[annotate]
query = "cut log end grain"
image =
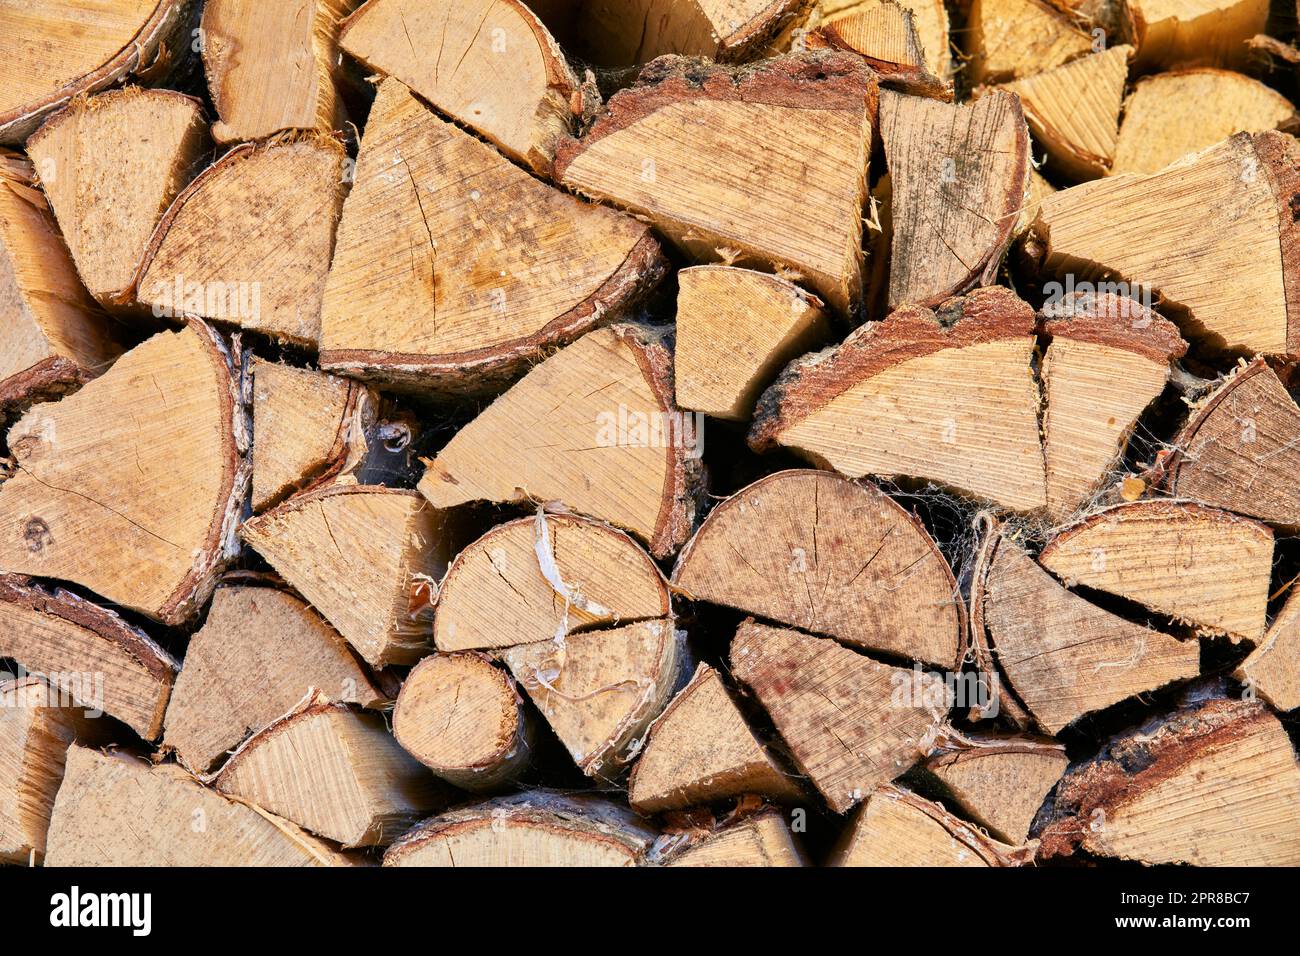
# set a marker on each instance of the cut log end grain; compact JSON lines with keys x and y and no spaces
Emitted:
{"x":1214,"y":33}
{"x":1272,"y":670}
{"x":762,"y":839}
{"x":888,"y":35}
{"x":1008,"y":39}
{"x":819,"y":552}
{"x":139,"y":506}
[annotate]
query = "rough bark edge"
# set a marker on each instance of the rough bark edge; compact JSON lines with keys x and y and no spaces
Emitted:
{"x":761,"y":29}
{"x":1279,"y":155}
{"x":690,"y":831}
{"x":51,"y":378}
{"x":913,"y":80}
{"x":980,"y":650}
{"x":1116,"y":322}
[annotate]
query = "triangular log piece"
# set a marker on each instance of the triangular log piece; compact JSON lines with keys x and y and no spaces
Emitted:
{"x":335,"y":772}
{"x":1165,"y":117}
{"x":735,"y":330}
{"x":497,"y":70}
{"x":1007,"y":39}
{"x":534,"y":579}
{"x":1272,"y":670}
{"x":684,"y":147}
{"x":831,"y":556}
{"x":358,"y":553}
{"x":464,"y":719}
{"x":1038,"y":189}
{"x":959,"y":176}
{"x":851,"y":724}
{"x":906,"y":43}
{"x":946,"y":396}
{"x":1207,"y":568}
{"x":454,"y":269}
{"x":1151,"y":233}
{"x":53,"y":338}
{"x":601,"y":690}
{"x":137,"y":503}
{"x":534,"y":829}
{"x":1213,"y":784}
{"x":111,"y":164}
{"x":1212,"y":33}
{"x":260,"y":651}
{"x":274,"y":66}
{"x":700,"y":750}
{"x":595,"y":427}
{"x":762,"y":840}
{"x":115,"y":809}
{"x":248,"y":242}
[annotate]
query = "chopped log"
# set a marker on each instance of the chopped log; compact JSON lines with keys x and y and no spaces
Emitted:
{"x":595,"y":427}
{"x":358,"y":553}
{"x":1208,"y":568}
{"x":601,"y":690}
{"x":1272,"y":669}
{"x":534,"y":829}
{"x":851,"y":723}
{"x":545,"y":577}
{"x":248,"y":242}
{"x":906,"y":43}
{"x":1214,"y":33}
{"x":464,"y":719}
{"x":507,"y":78}
{"x":454,"y":269}
{"x":1151,"y":232}
{"x":1213,"y":784}
{"x":821,"y":553}
{"x":762,"y":839}
{"x":260,"y":651}
{"x":735,"y":329}
{"x":684,"y":147}
{"x":273,"y":66}
{"x":1009,"y":39}
{"x":700,"y":750}
{"x":140,"y":504}
{"x":116,"y":809}
{"x":335,"y":772}
{"x":1039,"y":189}
{"x":1165,"y":117}
{"x":868,"y":407}
{"x":959,"y":176}
{"x":994,"y":699}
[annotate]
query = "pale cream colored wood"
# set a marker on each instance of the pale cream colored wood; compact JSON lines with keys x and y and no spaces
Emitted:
{"x":1172,"y":33}
{"x":1007,"y":39}
{"x":1039,"y":188}
{"x":760,"y":840}
{"x":888,"y":34}
{"x":1272,"y":670}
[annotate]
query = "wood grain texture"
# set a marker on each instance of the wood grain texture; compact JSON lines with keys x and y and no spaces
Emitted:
{"x":1007,"y":39}
{"x":906,"y":43}
{"x":1170,"y":33}
{"x":1272,"y":670}
{"x":760,"y":840}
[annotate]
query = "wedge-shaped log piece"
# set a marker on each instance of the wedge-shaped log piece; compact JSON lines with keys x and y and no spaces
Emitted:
{"x":959,"y":174}
{"x":454,"y":268}
{"x":701,"y":750}
{"x":685,"y":147}
{"x":1165,"y":117}
{"x":114,"y":809}
{"x":1272,"y":670}
{"x":335,"y":772}
{"x":53,"y":338}
{"x":139,"y":505}
{"x":535,"y":829}
{"x":1231,"y":280}
{"x":111,"y":164}
{"x":851,"y":723}
{"x":828,"y":555}
{"x":762,"y":839}
{"x":1208,"y":568}
{"x":543,"y":577}
{"x":464,"y":719}
{"x":594,"y":426}
{"x":248,"y":242}
{"x":498,"y":70}
{"x":259,"y":653}
{"x":1214,"y":784}
{"x":993,"y":699}
{"x":600,"y":690}
{"x":946,"y":396}
{"x":273,"y":66}
{"x":1007,"y":39}
{"x":906,"y":43}
{"x":735,"y":330}
{"x":357,"y":552}
{"x":1038,"y":189}
{"x":60,"y":48}
{"x":1170,"y":33}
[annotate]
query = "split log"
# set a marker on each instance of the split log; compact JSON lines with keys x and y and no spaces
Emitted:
{"x":762,"y":839}
{"x":454,"y":269}
{"x":1213,"y":784}
{"x":534,"y":829}
{"x":273,"y":66}
{"x":601,"y":690}
{"x":851,"y":724}
{"x":684,"y":147}
{"x":111,"y":164}
{"x":906,"y":43}
{"x":1009,"y":39}
{"x":595,"y":427}
{"x":821,"y":553}
{"x":1215,"y":33}
{"x":463,"y":718}
{"x":115,"y":809}
{"x":1039,"y":189}
{"x":700,"y":750}
{"x":1272,"y":670}
{"x":140,"y":505}
{"x":993,"y":697}
{"x":248,"y":242}
{"x":259,"y":652}
{"x":358,"y":553}
{"x":542,"y":578}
